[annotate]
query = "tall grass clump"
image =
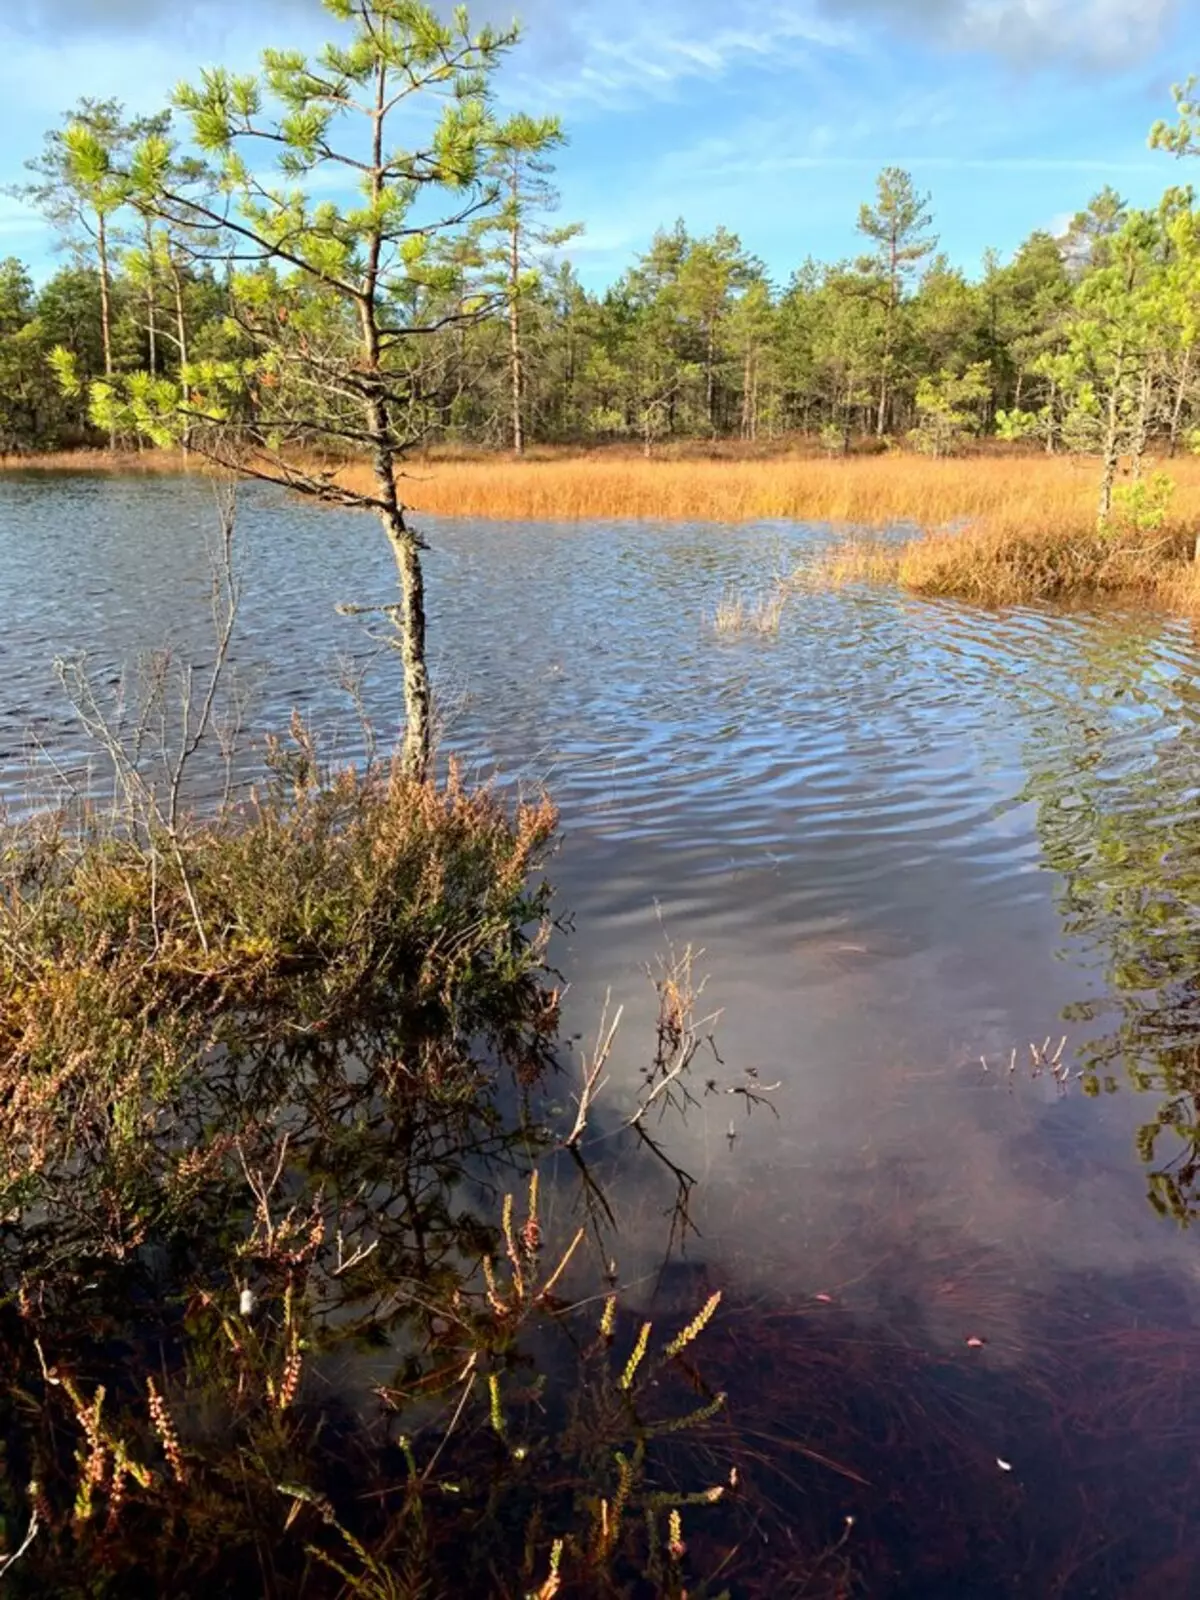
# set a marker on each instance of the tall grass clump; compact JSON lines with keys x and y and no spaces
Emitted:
{"x":761,"y":614}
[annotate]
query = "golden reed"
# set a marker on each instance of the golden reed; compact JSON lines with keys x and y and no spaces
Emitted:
{"x":997,"y":528}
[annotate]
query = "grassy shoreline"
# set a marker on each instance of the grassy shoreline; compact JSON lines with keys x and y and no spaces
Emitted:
{"x":995,"y":528}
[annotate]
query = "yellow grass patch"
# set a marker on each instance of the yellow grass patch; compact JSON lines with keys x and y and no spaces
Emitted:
{"x":863,"y":491}
{"x":116,"y":461}
{"x":1009,"y":566}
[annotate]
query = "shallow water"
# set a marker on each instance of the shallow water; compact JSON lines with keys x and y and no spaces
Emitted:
{"x":906,"y":836}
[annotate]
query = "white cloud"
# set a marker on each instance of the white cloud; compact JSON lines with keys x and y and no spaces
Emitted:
{"x":1094,"y":33}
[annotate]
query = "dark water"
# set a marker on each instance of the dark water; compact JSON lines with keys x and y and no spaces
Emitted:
{"x":905,"y":836}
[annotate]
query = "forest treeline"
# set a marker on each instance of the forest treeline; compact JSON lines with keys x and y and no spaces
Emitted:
{"x":1085,"y":342}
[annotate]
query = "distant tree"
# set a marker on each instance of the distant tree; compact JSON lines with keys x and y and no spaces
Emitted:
{"x":948,"y":409}
{"x":1180,"y":312}
{"x":897,"y":225}
{"x":1116,"y":334}
{"x":946,"y":322}
{"x":520,"y":167}
{"x":25,"y":397}
{"x":751,"y":332}
{"x":848,"y":336}
{"x":713,"y":272}
{"x":1087,"y":244}
{"x":80,"y":188}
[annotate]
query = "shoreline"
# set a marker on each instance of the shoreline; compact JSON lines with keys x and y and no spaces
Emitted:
{"x":993,"y":528}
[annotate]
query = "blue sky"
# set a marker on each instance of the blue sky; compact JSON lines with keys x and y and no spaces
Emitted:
{"x":770,"y":116}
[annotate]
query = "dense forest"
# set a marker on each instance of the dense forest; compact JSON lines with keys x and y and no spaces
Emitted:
{"x":1083,"y":342}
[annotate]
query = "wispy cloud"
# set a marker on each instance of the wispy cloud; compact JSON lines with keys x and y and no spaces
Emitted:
{"x":683,"y":37}
{"x":17,"y":219}
{"x":613,"y":54}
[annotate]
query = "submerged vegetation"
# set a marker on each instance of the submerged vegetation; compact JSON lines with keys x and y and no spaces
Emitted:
{"x":762,"y":613}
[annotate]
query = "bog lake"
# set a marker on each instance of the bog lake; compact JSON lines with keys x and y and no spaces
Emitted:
{"x":908,"y":838}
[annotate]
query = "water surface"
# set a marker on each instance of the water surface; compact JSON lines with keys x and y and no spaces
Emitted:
{"x":906,"y":836}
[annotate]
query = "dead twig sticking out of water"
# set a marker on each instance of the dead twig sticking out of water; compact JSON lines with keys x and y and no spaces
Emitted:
{"x":680,"y":1036}
{"x":606,"y":1034}
{"x":1041,"y":1059}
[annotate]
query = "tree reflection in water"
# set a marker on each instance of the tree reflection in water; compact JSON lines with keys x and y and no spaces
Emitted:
{"x":1117,"y":788}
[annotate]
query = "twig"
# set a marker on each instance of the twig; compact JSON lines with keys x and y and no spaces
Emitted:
{"x":591,"y":1075}
{"x":31,"y":1535}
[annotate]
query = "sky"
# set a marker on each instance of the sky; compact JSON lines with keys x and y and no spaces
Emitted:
{"x":769,"y":116}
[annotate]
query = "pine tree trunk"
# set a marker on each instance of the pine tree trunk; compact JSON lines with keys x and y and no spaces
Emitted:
{"x":1141,"y":435}
{"x":417,"y":747}
{"x":181,"y":335}
{"x":105,"y":310}
{"x":710,"y":379}
{"x":889,"y":338}
{"x":151,"y":297}
{"x":1180,"y":395}
{"x":1111,"y":456}
{"x":518,"y":383}
{"x":418,"y":722}
{"x":514,"y":324}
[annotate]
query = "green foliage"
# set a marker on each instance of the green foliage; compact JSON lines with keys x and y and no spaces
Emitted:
{"x":948,"y":409}
{"x":1143,"y":506}
{"x":1016,"y":425}
{"x":833,"y":439}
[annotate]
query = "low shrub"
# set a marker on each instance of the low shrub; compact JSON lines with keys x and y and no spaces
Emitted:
{"x":267,"y":1324}
{"x":1018,"y":565}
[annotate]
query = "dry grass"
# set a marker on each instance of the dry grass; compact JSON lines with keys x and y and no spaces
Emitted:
{"x":999,"y":529}
{"x":997,"y":565}
{"x":738,"y":613}
{"x":116,"y":461}
{"x":865,"y":491}
{"x":1006,"y":491}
